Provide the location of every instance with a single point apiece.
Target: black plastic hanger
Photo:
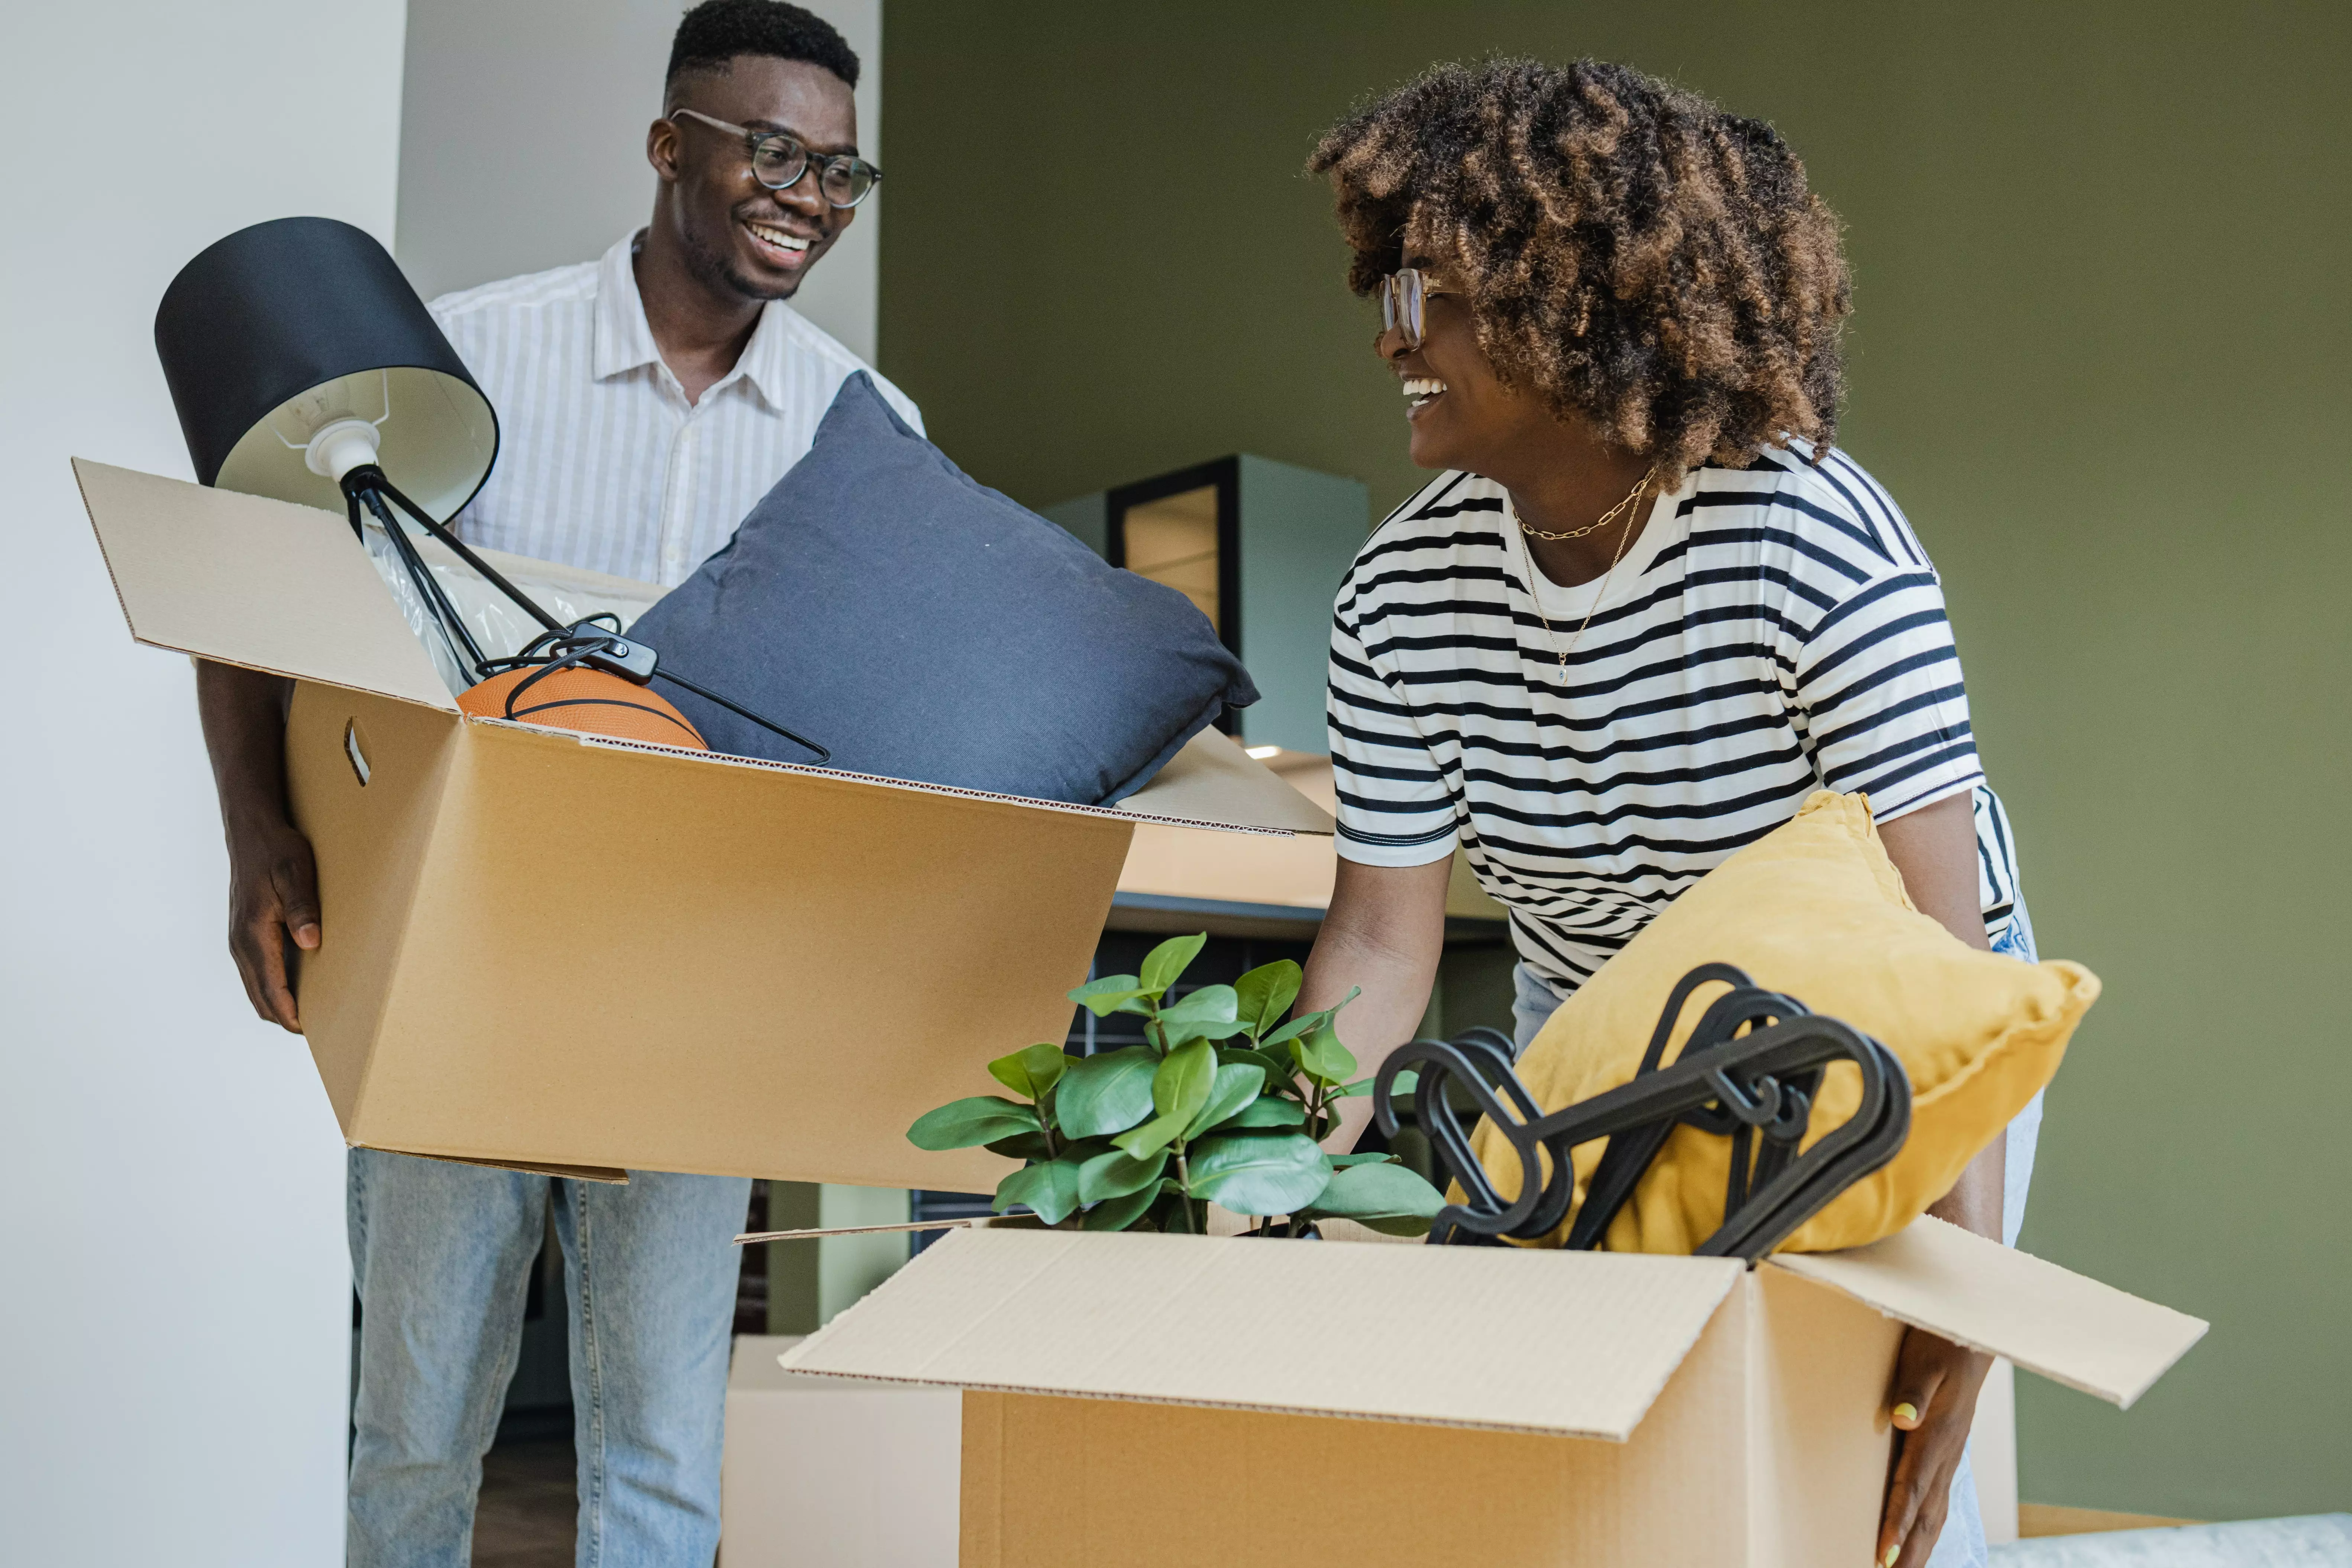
(1750, 1072)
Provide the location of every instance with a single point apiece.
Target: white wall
(522, 145)
(174, 1317)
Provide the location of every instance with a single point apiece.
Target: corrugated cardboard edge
(788, 1360)
(795, 1359)
(2024, 1308)
(1105, 813)
(608, 1175)
(113, 578)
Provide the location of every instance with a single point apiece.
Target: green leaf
(1300, 1026)
(1404, 1084)
(1111, 993)
(1163, 964)
(1052, 1190)
(1379, 1190)
(1102, 1095)
(1341, 1162)
(1031, 1070)
(1118, 1214)
(1205, 1014)
(1152, 1136)
(1393, 1225)
(1321, 1056)
(1181, 1085)
(1277, 1065)
(1265, 1112)
(1258, 1175)
(1266, 993)
(960, 1123)
(1023, 1146)
(1116, 1174)
(1235, 1088)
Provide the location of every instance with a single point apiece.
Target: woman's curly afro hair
(1636, 255)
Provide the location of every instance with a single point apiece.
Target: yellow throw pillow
(1815, 911)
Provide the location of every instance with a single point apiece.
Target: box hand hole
(353, 749)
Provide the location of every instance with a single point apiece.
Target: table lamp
(305, 368)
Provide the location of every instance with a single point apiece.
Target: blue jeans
(1962, 1544)
(441, 1253)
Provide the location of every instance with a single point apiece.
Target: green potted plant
(1224, 1102)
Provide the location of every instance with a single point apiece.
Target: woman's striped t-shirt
(1774, 630)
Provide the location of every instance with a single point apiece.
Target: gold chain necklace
(1606, 518)
(1528, 555)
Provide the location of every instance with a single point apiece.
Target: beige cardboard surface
(1575, 1343)
(1159, 1486)
(1182, 863)
(1214, 783)
(249, 581)
(2073, 1331)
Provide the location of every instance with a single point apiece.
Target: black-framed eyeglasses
(1403, 296)
(779, 159)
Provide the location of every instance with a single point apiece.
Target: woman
(1648, 607)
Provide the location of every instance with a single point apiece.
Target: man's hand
(273, 884)
(1933, 1398)
(273, 894)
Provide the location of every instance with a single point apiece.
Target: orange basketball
(590, 700)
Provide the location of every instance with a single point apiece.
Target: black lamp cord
(558, 647)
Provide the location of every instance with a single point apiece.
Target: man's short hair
(715, 32)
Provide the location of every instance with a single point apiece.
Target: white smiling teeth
(1419, 389)
(778, 237)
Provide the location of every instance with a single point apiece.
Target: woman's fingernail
(1907, 1411)
(1891, 1553)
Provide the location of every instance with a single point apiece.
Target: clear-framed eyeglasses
(779, 159)
(1405, 294)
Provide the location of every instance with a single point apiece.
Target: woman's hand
(1933, 1398)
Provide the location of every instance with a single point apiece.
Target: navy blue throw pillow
(921, 626)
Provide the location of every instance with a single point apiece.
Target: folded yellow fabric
(1815, 911)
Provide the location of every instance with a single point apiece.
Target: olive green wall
(2100, 357)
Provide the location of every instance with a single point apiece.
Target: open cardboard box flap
(282, 588)
(1569, 1343)
(242, 580)
(2073, 1331)
(1574, 1344)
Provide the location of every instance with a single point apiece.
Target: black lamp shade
(281, 327)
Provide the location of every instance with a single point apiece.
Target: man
(646, 402)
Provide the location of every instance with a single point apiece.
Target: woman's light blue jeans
(441, 1253)
(1962, 1544)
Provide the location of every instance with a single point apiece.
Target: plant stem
(1044, 1126)
(1198, 1215)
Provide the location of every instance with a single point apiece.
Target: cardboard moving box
(1145, 1400)
(555, 952)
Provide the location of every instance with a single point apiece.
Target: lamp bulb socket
(341, 446)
